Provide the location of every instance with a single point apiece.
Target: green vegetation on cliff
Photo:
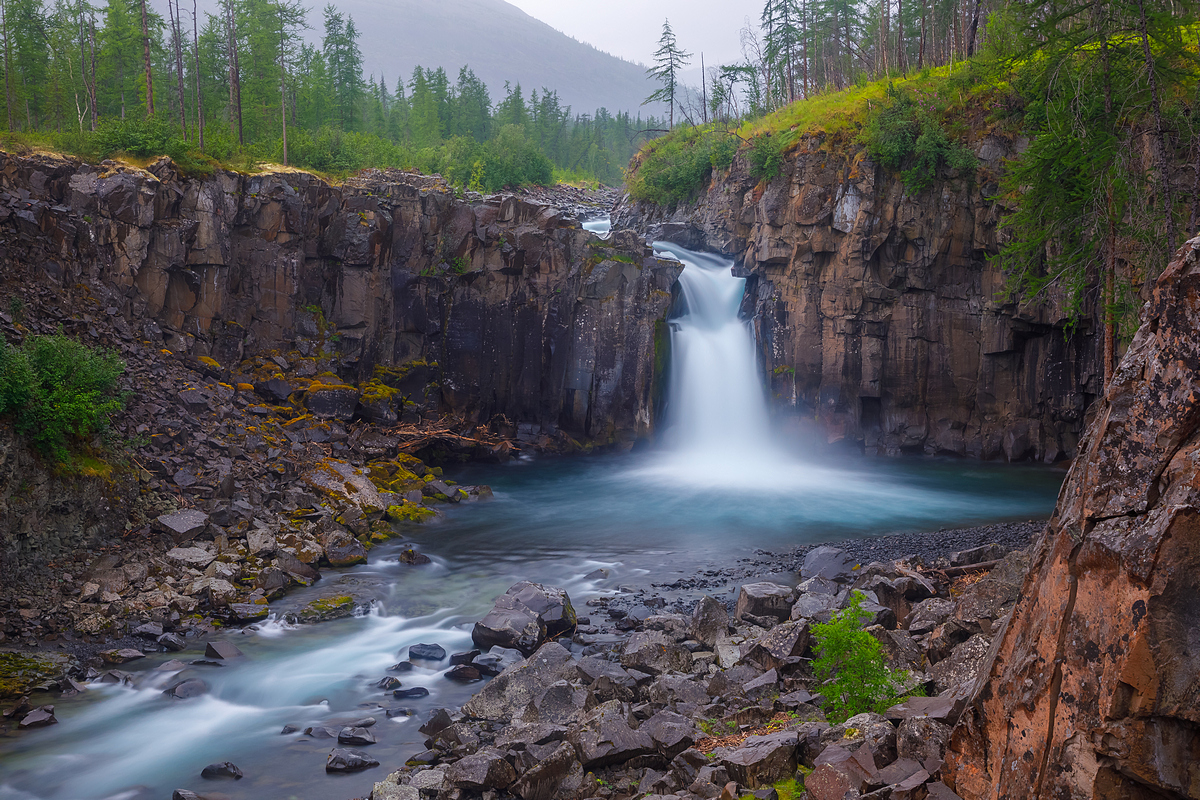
(58, 391)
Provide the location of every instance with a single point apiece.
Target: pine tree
(669, 60)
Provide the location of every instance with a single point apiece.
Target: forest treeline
(244, 85)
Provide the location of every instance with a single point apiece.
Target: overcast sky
(630, 28)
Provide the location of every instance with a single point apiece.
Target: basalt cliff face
(520, 312)
(878, 311)
(1093, 689)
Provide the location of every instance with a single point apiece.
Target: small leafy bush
(58, 391)
(765, 157)
(850, 666)
(675, 168)
(906, 137)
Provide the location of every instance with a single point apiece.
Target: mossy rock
(410, 512)
(327, 608)
(21, 673)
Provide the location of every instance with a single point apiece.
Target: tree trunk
(924, 26)
(973, 30)
(177, 35)
(8, 95)
(199, 96)
(92, 83)
(235, 74)
(1160, 143)
(283, 88)
(804, 43)
(146, 57)
(901, 62)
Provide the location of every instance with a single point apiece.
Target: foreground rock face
(1094, 686)
(878, 311)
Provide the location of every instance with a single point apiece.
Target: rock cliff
(523, 313)
(879, 313)
(1093, 690)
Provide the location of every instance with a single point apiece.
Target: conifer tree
(669, 60)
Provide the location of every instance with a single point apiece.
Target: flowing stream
(717, 489)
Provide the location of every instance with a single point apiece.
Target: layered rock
(1093, 688)
(516, 310)
(879, 312)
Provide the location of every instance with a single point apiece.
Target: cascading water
(717, 408)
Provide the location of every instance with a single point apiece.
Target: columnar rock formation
(879, 313)
(1094, 686)
(524, 313)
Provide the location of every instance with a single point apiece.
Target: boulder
(216, 591)
(464, 673)
(223, 650)
(390, 790)
(957, 674)
(261, 542)
(355, 736)
(121, 656)
(773, 649)
(342, 549)
(922, 739)
(816, 607)
(182, 526)
(763, 760)
(521, 684)
(481, 771)
(556, 776)
(829, 563)
(185, 689)
(524, 617)
(928, 614)
(427, 652)
(710, 621)
(225, 769)
(764, 600)
(653, 652)
(497, 660)
(347, 760)
(671, 733)
(334, 402)
(39, 717)
(194, 557)
(606, 737)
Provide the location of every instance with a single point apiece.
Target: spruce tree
(669, 60)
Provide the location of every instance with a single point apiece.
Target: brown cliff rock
(879, 313)
(1094, 685)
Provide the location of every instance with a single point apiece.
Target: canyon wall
(509, 306)
(1093, 690)
(879, 313)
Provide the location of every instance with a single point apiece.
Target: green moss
(409, 512)
(21, 672)
(790, 789)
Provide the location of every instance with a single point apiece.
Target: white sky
(630, 28)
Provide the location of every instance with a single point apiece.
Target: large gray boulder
(524, 617)
(511, 692)
(654, 652)
(606, 737)
(765, 600)
(763, 760)
(481, 771)
(557, 776)
(829, 563)
(710, 621)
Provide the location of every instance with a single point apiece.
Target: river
(719, 488)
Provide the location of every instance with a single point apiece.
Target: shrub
(675, 168)
(907, 133)
(58, 391)
(850, 666)
(765, 157)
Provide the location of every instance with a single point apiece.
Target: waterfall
(717, 406)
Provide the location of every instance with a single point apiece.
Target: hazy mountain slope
(500, 42)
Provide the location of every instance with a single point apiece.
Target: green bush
(58, 391)
(850, 666)
(675, 168)
(765, 157)
(906, 137)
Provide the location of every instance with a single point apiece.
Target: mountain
(497, 40)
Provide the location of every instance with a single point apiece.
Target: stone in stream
(498, 660)
(172, 641)
(121, 656)
(225, 769)
(322, 732)
(357, 736)
(403, 666)
(38, 718)
(464, 673)
(427, 652)
(222, 650)
(410, 694)
(182, 690)
(388, 683)
(439, 720)
(463, 658)
(347, 760)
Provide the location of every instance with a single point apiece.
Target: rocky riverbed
(645, 701)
